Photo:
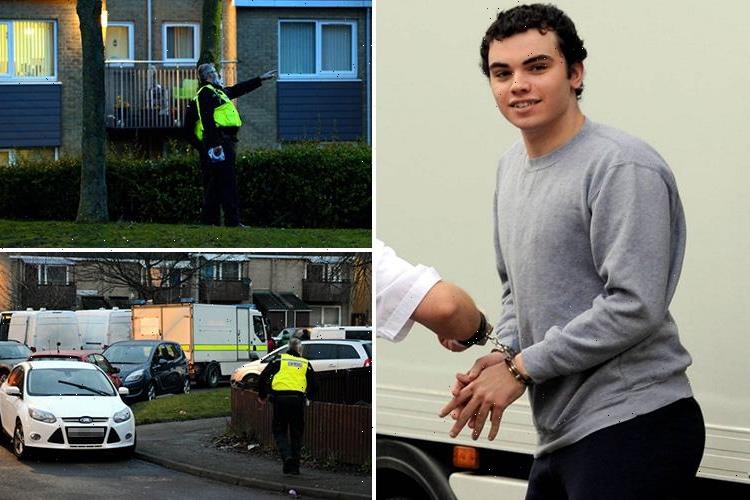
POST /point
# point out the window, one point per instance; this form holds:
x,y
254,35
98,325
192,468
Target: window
x,y
53,275
319,351
327,273
258,327
223,271
347,352
325,315
180,42
317,49
119,45
9,157
28,50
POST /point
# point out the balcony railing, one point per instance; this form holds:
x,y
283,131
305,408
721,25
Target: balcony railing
x,y
317,291
152,94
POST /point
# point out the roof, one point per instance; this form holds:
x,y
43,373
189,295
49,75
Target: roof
x,y
282,301
296,303
60,364
69,353
270,301
49,261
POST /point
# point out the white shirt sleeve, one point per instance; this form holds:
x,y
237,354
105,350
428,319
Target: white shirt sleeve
x,y
399,288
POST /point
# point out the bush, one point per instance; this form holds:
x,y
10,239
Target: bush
x,y
301,185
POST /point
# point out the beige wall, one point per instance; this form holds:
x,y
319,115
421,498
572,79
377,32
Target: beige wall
x,y
673,73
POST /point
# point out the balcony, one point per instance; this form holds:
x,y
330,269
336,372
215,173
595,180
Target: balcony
x,y
326,291
235,291
151,94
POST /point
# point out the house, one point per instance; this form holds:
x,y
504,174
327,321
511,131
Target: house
x,y
289,289
321,49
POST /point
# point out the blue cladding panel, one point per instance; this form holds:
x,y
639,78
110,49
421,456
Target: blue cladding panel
x,y
320,111
30,115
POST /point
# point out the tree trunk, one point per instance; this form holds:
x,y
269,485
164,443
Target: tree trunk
x,y
211,33
92,206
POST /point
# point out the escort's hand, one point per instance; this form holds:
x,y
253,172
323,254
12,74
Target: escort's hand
x,y
452,344
261,401
268,75
488,394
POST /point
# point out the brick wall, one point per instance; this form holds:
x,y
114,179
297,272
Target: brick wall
x,y
257,51
68,62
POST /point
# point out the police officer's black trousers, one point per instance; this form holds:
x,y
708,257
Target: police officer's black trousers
x,y
650,457
220,187
289,415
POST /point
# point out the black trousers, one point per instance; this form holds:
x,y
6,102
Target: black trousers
x,y
220,187
288,424
651,457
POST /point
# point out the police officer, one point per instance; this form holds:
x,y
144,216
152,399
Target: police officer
x,y
291,378
213,122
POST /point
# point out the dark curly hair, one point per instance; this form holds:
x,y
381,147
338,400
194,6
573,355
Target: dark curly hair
x,y
543,17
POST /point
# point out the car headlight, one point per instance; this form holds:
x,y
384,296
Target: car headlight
x,y
122,416
42,416
134,377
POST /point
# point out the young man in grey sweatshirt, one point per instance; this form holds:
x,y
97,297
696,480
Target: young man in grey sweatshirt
x,y
589,239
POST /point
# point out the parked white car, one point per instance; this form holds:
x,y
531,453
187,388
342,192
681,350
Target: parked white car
x,y
64,405
324,355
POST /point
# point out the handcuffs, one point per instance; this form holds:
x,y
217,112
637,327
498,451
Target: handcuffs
x,y
482,335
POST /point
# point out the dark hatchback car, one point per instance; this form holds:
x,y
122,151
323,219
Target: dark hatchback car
x,y
150,367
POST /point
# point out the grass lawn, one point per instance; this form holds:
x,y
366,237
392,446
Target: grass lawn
x,y
202,404
57,234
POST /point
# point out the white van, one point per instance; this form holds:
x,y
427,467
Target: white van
x,y
45,330
101,328
217,339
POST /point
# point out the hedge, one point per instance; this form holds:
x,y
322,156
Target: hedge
x,y
301,185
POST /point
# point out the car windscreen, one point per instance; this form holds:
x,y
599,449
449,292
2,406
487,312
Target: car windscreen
x,y
137,354
14,351
68,382
368,349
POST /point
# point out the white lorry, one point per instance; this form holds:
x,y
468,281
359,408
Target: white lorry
x,y
216,339
101,328
44,330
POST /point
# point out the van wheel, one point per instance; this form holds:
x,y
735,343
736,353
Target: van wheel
x,y
212,376
19,447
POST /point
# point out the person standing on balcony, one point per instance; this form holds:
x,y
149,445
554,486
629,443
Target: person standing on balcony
x,y
291,378
213,122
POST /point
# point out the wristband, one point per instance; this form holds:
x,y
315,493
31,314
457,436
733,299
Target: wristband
x,y
481,335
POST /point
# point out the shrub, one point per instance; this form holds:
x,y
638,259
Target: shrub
x,y
300,185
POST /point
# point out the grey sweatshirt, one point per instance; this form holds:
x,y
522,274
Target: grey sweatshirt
x,y
589,242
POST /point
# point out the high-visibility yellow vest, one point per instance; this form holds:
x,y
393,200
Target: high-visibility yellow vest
x,y
292,375
225,115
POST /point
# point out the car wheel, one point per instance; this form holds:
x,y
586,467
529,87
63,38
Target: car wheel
x,y
127,452
19,447
212,376
3,376
151,392
186,385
